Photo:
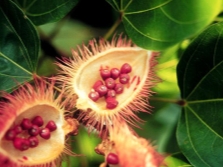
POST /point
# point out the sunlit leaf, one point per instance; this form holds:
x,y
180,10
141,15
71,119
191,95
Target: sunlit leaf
x,y
166,70
19,46
166,90
158,24
71,34
83,144
42,11
200,76
171,161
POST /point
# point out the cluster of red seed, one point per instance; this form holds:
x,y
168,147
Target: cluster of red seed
x,y
109,87
112,159
25,135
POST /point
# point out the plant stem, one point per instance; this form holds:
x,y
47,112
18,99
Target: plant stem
x,y
180,102
164,100
112,29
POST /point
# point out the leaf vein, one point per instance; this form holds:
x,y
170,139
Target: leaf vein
x,y
4,56
146,10
203,122
48,12
143,33
191,142
10,27
198,84
127,5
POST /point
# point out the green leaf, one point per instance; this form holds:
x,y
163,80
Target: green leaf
x,y
42,11
171,161
159,127
67,37
166,91
158,24
166,70
200,78
84,144
19,46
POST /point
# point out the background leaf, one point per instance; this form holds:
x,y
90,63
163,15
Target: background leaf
x,y
173,161
200,78
71,34
42,11
158,24
19,46
84,144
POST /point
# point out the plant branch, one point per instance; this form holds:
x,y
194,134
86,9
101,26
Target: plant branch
x,y
113,28
166,100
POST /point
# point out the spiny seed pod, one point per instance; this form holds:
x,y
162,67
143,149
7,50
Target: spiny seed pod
x,y
124,149
88,65
28,104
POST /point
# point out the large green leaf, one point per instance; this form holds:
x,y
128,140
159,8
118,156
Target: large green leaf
x,y
43,11
158,24
19,46
200,78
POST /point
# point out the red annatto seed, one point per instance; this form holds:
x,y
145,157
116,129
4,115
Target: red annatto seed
x,y
111,93
38,121
18,129
102,90
105,73
126,68
124,78
26,124
94,96
97,83
110,83
21,144
51,125
33,141
119,88
115,73
112,159
34,131
111,103
45,133
10,134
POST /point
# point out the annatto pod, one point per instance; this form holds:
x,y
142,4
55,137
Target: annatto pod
x,y
124,149
34,125
111,79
